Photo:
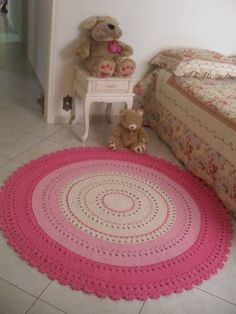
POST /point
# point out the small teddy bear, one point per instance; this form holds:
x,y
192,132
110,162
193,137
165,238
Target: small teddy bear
x,y
129,132
104,56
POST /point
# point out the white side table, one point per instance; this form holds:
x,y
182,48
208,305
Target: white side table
x,y
93,89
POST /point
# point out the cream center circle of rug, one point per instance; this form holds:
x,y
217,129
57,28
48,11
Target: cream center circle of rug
x,y
116,224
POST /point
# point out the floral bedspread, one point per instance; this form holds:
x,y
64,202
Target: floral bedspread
x,y
196,152
217,96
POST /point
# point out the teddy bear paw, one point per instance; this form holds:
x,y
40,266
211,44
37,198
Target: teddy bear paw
x,y
126,68
106,68
140,148
112,146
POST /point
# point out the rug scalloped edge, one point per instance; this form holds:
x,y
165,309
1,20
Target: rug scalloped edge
x,y
96,291
87,289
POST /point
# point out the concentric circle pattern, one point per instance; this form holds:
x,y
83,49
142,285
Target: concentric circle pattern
x,y
115,223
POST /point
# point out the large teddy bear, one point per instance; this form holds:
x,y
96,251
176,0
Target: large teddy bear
x,y
129,132
101,51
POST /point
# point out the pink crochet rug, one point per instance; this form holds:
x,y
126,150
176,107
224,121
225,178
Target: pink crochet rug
x,y
116,224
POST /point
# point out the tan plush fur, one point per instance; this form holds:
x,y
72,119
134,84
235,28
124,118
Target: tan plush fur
x,y
129,132
101,51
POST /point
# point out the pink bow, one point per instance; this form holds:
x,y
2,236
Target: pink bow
x,y
114,47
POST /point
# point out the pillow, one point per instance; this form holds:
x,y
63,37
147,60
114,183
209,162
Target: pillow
x,y
233,58
196,63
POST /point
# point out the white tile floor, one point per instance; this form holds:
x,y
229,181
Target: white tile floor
x,y
23,136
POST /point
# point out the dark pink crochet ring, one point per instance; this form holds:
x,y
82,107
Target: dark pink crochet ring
x,y
115,224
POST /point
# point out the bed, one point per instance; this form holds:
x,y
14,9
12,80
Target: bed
x,y
196,117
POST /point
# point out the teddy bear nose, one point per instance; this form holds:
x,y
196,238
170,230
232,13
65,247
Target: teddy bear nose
x,y
132,127
111,26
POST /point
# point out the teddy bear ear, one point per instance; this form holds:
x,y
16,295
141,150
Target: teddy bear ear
x,y
140,112
108,19
89,23
115,22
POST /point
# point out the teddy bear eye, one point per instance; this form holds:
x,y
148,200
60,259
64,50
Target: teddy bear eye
x,y
110,26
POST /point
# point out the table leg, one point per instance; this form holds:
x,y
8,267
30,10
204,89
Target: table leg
x,y
129,103
108,111
75,109
87,103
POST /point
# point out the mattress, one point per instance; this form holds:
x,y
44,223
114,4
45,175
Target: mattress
x,y
207,107
196,118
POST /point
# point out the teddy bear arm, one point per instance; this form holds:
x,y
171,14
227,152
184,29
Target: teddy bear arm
x,y
128,137
117,131
142,134
126,49
115,139
83,50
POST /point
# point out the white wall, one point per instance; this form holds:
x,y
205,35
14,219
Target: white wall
x,y
38,25
15,15
148,25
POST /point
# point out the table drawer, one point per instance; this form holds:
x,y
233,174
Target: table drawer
x,y
111,86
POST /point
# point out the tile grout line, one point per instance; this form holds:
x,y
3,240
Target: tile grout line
x,y
216,296
36,299
27,311
44,289
43,121
32,295
17,287
140,311
52,305
38,142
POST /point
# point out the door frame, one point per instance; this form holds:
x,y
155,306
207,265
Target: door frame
x,y
49,110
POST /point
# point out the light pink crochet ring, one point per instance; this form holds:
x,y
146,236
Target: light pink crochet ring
x,y
116,224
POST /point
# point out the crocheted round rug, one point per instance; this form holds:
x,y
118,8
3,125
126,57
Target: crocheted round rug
x,y
116,224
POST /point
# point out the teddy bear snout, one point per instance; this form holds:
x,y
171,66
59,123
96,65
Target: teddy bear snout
x,y
111,26
132,127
